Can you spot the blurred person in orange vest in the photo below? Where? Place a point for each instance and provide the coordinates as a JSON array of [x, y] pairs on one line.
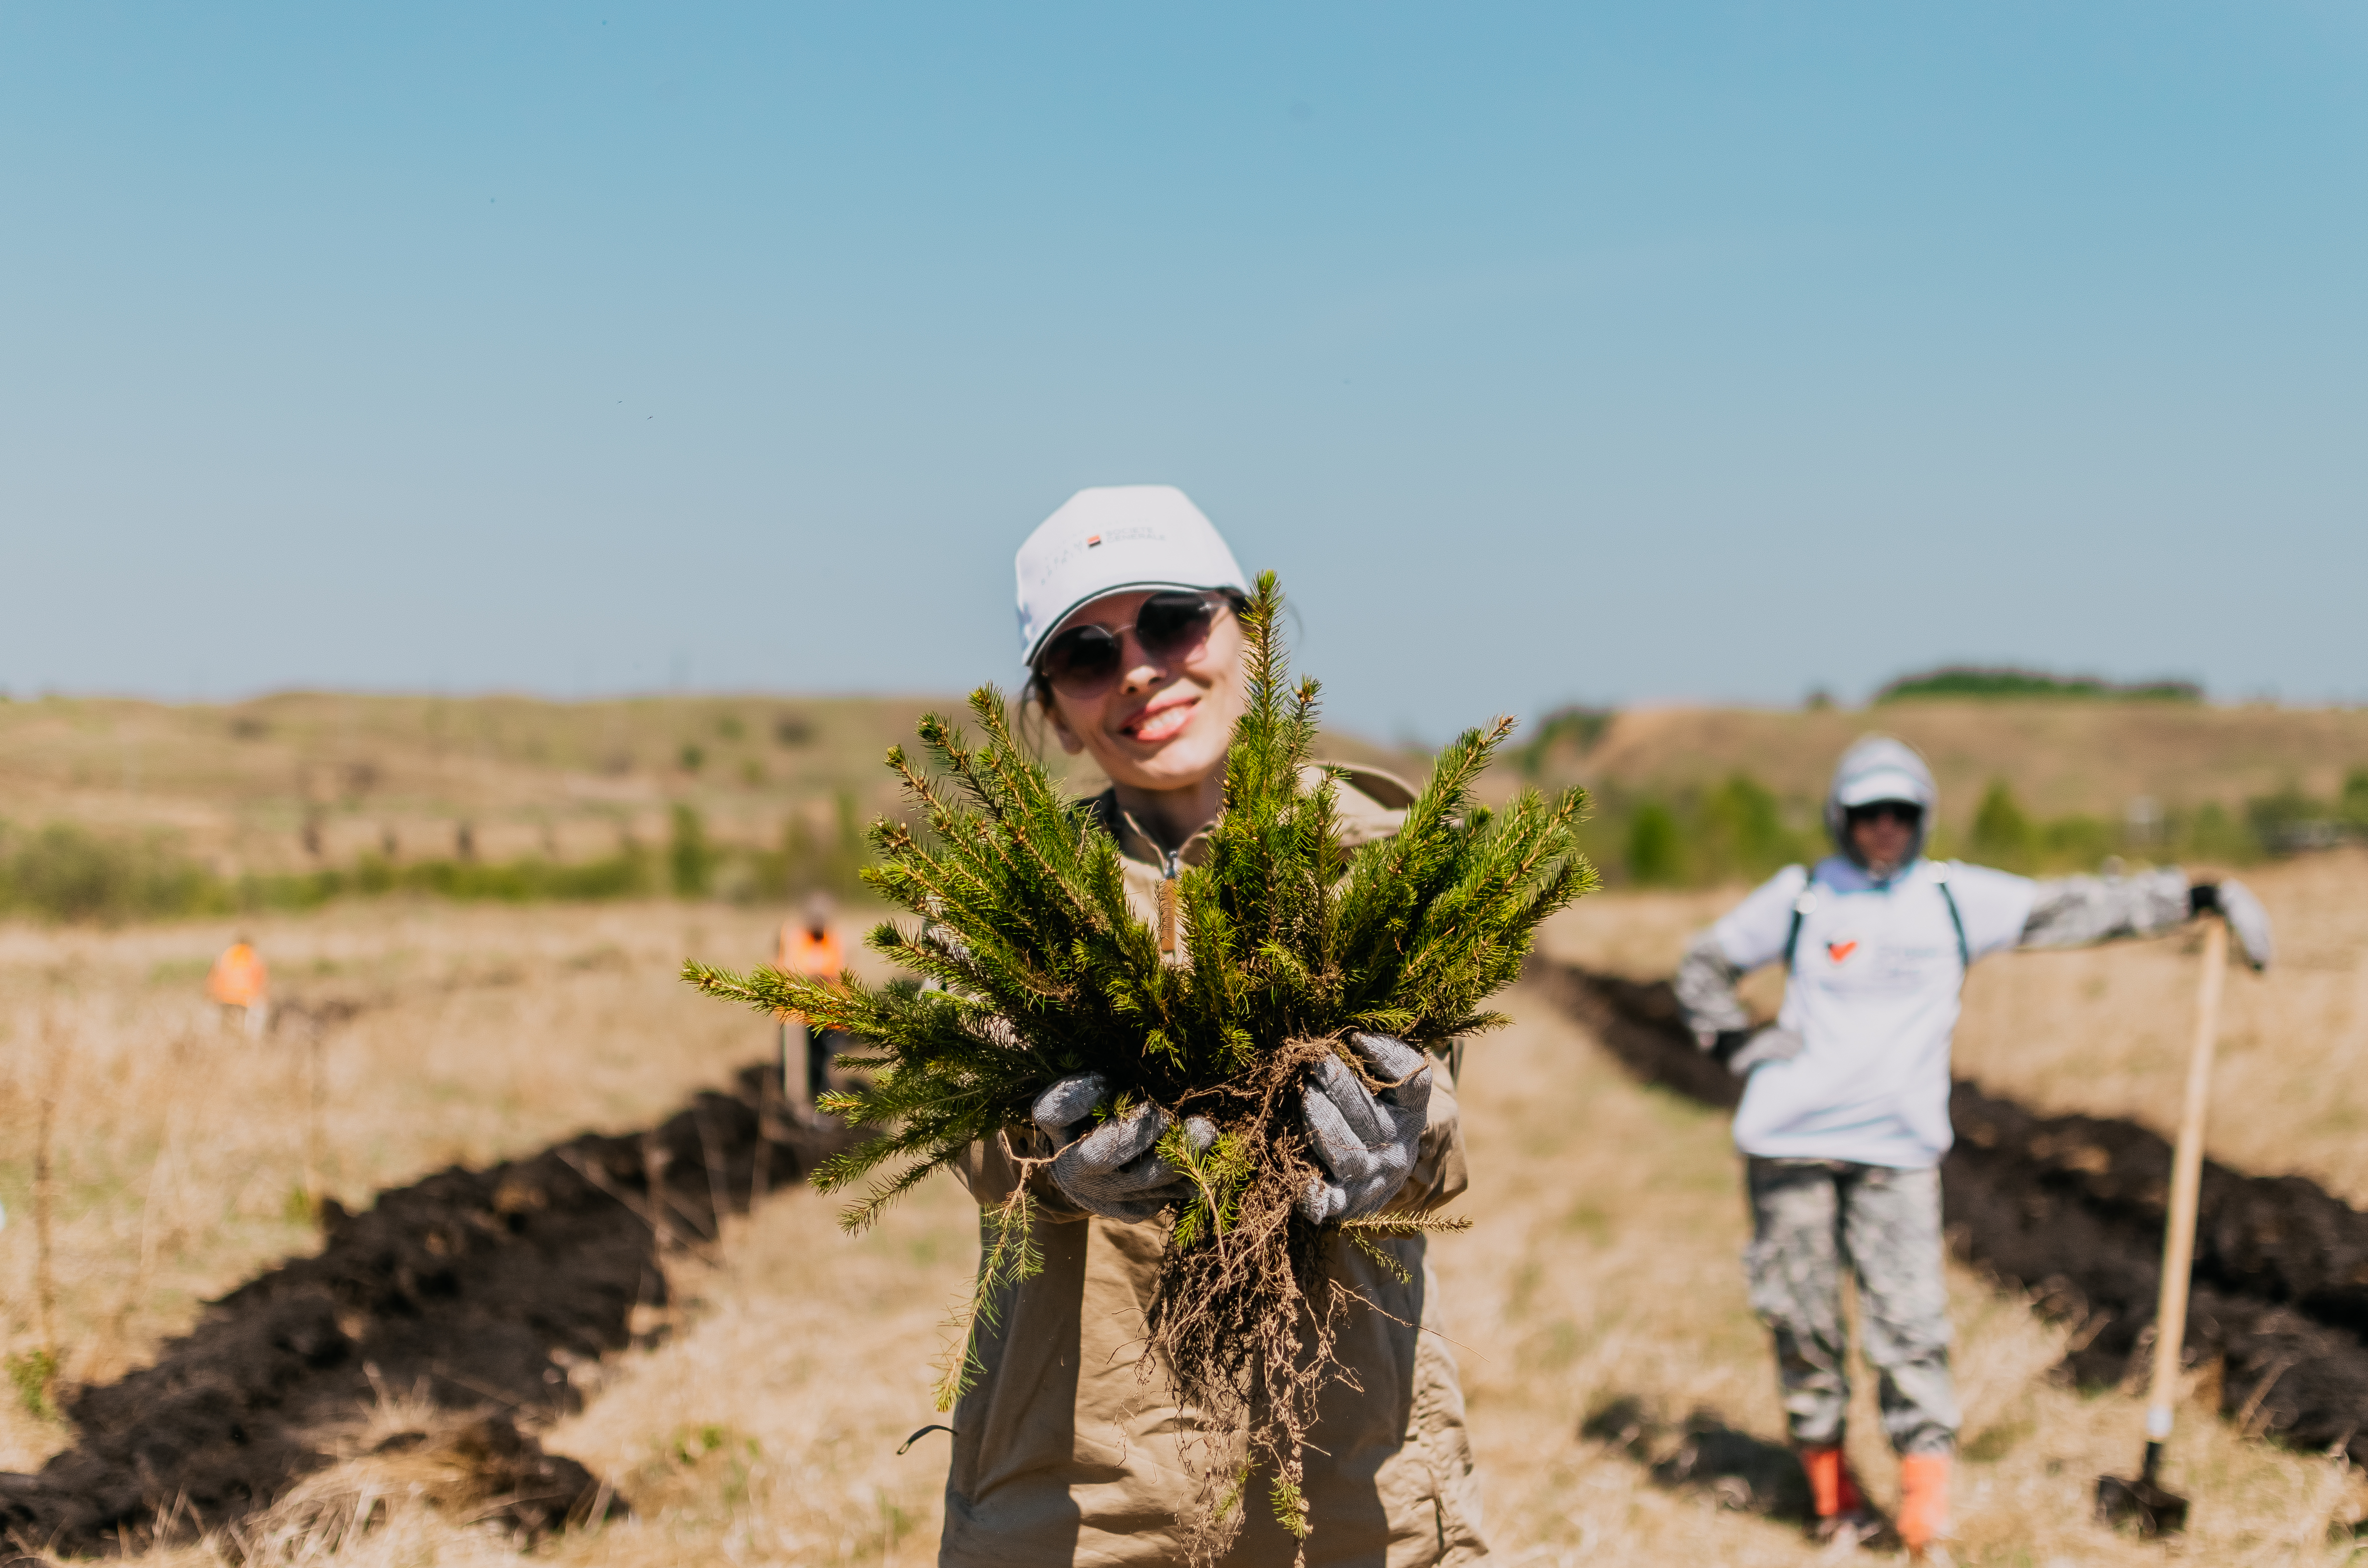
[[809, 947], [239, 980]]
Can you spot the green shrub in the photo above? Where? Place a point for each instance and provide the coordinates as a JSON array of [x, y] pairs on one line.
[[297, 890], [689, 859], [2077, 843], [66, 872], [35, 1375], [2353, 805], [2002, 835], [2214, 835], [1654, 857], [1741, 832], [811, 860], [2276, 818], [623, 875]]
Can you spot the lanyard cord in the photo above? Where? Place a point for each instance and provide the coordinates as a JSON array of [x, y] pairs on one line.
[[1807, 902]]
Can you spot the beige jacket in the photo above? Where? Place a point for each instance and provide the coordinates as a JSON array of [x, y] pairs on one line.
[[1065, 1453]]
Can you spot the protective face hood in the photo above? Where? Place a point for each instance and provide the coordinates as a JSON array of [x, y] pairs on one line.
[[1877, 767]]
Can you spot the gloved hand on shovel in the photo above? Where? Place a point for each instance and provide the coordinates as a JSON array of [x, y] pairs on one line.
[[1110, 1168], [2247, 921], [1365, 1140]]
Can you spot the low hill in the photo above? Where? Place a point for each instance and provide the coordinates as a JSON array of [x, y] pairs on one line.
[[118, 808], [300, 782], [301, 779]]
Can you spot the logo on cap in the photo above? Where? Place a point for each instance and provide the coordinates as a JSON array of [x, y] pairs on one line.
[[1837, 951]]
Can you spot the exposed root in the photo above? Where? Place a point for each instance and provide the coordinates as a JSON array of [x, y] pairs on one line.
[[1242, 1315]]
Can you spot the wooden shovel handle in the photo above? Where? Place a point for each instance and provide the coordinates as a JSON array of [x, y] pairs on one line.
[[2186, 1180]]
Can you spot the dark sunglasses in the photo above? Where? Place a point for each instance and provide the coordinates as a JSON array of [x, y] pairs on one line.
[[1086, 658], [1904, 813]]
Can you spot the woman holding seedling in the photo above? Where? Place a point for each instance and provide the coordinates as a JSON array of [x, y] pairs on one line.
[[1065, 1450], [1846, 1116]]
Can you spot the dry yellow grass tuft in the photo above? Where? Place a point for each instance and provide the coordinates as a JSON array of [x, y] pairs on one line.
[[1602, 1265]]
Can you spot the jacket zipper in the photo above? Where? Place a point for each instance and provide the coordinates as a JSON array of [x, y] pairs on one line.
[[1167, 905]]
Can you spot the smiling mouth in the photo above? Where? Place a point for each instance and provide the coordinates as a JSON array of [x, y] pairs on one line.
[[1160, 724]]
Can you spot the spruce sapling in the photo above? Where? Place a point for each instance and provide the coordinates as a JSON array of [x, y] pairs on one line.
[[1036, 967]]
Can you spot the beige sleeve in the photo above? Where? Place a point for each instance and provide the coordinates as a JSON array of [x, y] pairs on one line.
[[986, 1170]]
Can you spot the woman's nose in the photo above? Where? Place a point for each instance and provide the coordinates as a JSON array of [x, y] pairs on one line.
[[1143, 671]]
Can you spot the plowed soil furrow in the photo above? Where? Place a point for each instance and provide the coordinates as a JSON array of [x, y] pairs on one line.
[[2071, 1209], [474, 1290]]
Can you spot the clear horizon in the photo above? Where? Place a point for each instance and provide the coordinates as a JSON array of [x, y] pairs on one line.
[[1711, 354]]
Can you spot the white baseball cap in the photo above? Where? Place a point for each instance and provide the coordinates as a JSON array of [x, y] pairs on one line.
[[1111, 538], [1882, 784], [1880, 767]]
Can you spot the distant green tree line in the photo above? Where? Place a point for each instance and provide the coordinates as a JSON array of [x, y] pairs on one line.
[[1971, 680]]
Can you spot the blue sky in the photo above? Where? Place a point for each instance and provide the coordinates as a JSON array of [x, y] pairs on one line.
[[1620, 354]]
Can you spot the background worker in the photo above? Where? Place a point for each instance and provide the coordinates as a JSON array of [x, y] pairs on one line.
[[239, 981], [809, 946], [1846, 1115], [1066, 1448]]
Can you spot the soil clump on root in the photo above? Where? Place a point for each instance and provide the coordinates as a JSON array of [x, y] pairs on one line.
[[473, 1290], [2071, 1209]]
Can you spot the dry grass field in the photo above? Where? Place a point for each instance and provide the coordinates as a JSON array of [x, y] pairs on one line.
[[1602, 1265], [411, 1035]]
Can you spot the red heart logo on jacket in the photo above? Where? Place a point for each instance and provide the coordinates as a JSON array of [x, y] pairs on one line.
[[1840, 950]]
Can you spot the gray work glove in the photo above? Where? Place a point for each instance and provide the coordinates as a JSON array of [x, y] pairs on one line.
[[1108, 1168], [1366, 1143], [1773, 1043], [2247, 921]]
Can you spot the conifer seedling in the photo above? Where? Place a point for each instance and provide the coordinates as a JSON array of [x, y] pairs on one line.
[[1032, 966]]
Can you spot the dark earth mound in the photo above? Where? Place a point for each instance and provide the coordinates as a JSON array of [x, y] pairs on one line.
[[474, 1290], [2071, 1209]]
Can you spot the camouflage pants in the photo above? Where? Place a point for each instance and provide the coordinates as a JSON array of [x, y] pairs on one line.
[[1811, 1220]]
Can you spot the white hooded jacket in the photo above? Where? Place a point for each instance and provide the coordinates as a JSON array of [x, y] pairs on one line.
[[1876, 972], [1873, 995]]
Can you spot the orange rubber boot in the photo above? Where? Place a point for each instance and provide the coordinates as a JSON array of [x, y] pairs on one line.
[[1831, 1488], [1923, 1499]]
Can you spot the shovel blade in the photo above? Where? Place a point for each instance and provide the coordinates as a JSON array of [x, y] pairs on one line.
[[2141, 1503]]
